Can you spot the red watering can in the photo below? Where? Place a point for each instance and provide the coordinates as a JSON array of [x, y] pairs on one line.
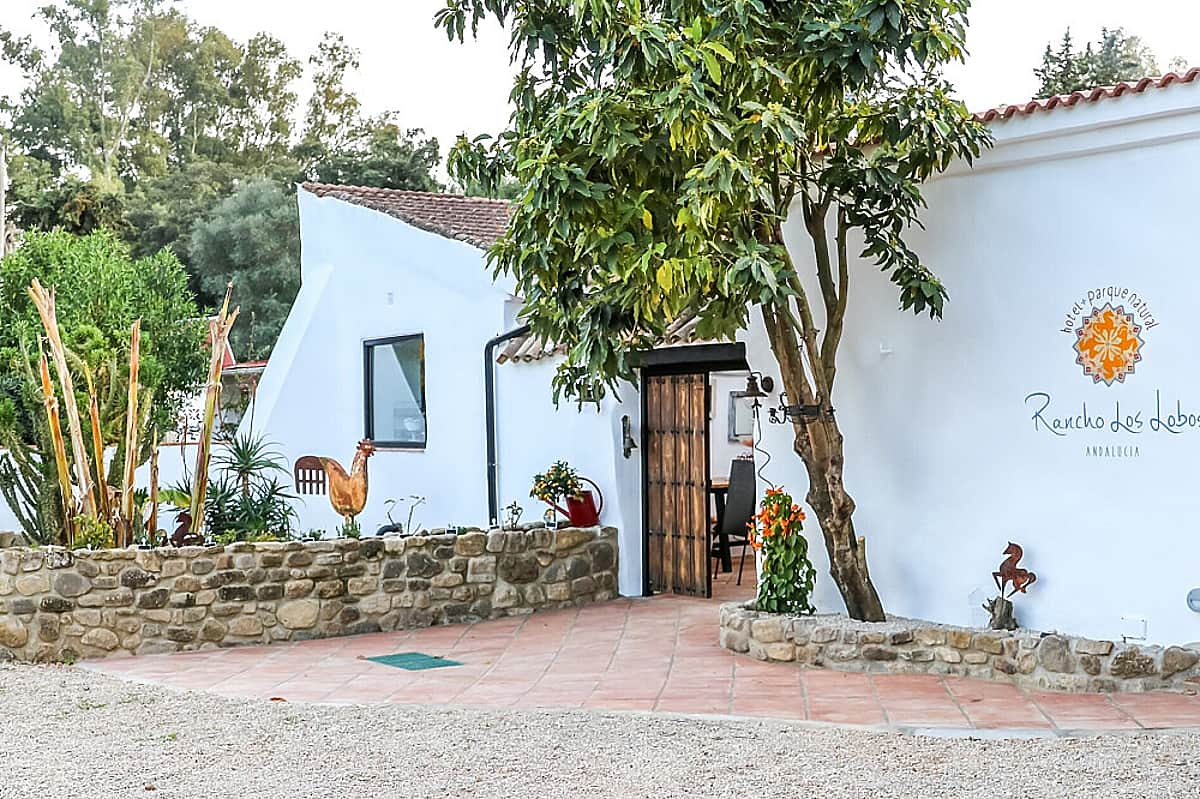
[[581, 509]]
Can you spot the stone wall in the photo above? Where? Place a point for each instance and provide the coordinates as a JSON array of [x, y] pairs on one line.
[[61, 605], [1029, 659]]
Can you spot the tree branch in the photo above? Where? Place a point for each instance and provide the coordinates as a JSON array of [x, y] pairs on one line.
[[837, 315], [785, 346], [815, 222], [808, 333]]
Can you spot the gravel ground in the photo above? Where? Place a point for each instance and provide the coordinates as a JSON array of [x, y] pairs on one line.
[[70, 733]]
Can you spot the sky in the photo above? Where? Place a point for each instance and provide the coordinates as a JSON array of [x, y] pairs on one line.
[[446, 88]]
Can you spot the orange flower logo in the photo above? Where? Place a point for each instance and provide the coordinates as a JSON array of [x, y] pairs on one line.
[[1108, 344]]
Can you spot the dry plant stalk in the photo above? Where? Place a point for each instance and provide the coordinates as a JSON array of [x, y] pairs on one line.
[[218, 332], [152, 522], [98, 447], [60, 447], [43, 299], [131, 430]]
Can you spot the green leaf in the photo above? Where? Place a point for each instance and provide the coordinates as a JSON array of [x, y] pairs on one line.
[[665, 277], [713, 66], [720, 50]]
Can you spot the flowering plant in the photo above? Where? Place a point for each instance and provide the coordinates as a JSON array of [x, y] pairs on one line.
[[560, 480], [788, 575]]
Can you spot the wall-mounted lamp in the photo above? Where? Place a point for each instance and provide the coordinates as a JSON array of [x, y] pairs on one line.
[[628, 445]]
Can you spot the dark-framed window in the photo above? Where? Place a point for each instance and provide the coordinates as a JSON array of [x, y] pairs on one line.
[[394, 388]]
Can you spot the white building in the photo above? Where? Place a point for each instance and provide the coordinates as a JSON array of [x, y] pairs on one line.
[[961, 435]]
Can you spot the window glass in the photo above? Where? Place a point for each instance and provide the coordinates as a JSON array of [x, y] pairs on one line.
[[396, 391]]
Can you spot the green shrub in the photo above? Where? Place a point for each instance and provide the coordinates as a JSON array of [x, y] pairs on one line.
[[92, 533], [99, 291]]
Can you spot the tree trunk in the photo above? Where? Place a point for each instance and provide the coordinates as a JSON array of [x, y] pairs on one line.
[[818, 442]]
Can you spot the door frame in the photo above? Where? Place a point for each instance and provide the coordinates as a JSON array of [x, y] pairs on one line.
[[701, 359]]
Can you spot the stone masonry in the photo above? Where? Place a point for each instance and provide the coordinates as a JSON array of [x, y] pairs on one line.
[[1036, 661], [61, 605]]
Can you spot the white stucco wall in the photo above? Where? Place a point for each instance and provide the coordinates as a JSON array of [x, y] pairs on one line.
[[532, 434], [366, 276], [722, 451], [8, 519], [942, 452]]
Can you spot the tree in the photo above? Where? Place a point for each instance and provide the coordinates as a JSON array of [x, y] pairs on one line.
[[341, 145], [100, 292], [382, 156], [333, 110], [663, 144], [1116, 57], [132, 88], [81, 107], [70, 204], [253, 239], [504, 188], [137, 119]]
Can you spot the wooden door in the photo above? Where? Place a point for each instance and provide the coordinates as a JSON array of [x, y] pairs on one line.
[[675, 491]]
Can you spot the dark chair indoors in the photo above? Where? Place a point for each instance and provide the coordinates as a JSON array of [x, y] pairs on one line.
[[731, 529]]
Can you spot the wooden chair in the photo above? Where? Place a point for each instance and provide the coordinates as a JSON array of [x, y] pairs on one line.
[[309, 476], [731, 529]]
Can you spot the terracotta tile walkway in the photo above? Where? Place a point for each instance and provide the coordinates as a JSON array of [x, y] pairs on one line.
[[655, 655]]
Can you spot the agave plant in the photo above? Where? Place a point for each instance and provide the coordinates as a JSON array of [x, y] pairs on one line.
[[247, 455], [247, 497]]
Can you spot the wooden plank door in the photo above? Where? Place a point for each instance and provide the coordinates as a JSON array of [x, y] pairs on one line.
[[675, 491]]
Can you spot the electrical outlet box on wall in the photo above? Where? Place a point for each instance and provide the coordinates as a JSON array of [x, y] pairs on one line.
[[1133, 628]]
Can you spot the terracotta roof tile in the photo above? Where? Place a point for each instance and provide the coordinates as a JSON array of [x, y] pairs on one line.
[[246, 366], [1089, 96], [475, 220], [527, 348]]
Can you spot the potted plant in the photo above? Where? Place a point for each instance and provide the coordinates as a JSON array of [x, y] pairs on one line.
[[786, 575], [562, 483]]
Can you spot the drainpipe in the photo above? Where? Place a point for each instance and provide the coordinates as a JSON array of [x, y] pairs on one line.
[[489, 415]]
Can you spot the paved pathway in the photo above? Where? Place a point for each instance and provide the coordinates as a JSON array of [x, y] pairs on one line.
[[655, 655]]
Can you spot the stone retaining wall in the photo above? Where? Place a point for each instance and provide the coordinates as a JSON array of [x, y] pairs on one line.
[[61, 605], [1028, 659]]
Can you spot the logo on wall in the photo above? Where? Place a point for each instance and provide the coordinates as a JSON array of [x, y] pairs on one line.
[[1107, 328], [1108, 344]]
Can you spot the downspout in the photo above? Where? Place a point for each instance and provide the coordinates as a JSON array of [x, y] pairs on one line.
[[489, 415]]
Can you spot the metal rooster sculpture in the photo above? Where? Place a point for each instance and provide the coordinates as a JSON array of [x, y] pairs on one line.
[[347, 492]]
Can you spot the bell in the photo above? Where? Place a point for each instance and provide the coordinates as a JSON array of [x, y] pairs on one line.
[[753, 389]]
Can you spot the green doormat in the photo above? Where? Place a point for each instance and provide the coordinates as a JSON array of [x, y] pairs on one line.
[[414, 661]]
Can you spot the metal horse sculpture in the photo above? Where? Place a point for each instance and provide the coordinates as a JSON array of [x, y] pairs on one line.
[[1011, 574]]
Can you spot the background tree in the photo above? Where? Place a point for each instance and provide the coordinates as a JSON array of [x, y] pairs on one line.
[[341, 145], [253, 239], [1116, 57], [139, 120], [100, 292], [663, 144], [382, 155], [70, 204]]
